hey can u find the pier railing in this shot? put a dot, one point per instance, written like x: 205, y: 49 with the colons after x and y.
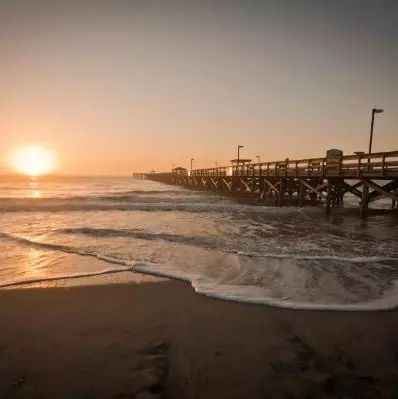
x: 375, y: 165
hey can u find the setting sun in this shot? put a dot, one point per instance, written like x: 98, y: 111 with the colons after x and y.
x: 32, y: 160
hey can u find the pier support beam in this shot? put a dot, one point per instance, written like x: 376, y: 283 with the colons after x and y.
x: 234, y: 184
x: 301, y: 194
x: 262, y: 188
x: 253, y: 186
x: 281, y: 193
x: 328, y: 196
x: 364, y: 201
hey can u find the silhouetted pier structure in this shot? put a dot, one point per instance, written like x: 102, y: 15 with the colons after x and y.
x: 140, y: 175
x: 369, y: 177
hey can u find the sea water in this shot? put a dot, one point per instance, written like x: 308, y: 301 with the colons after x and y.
x: 55, y: 229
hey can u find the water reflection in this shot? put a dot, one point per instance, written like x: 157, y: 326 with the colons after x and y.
x: 34, y: 188
x: 34, y: 261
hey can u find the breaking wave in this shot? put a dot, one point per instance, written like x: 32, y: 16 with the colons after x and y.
x: 208, y: 204
x: 211, y: 243
x: 285, y: 281
x: 201, y: 241
x: 155, y: 192
x: 258, y: 295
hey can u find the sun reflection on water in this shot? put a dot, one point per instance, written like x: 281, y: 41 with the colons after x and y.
x: 34, y: 261
x: 34, y: 189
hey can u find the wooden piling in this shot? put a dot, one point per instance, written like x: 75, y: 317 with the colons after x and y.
x: 262, y: 188
x: 365, y: 201
x: 301, y: 194
x: 281, y: 193
x: 328, y: 197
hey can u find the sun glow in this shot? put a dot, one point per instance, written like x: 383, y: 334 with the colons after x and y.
x: 32, y: 160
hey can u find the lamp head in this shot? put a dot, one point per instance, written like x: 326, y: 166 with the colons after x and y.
x: 377, y: 110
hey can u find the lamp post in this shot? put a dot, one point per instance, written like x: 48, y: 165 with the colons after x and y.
x: 239, y: 147
x: 192, y: 159
x: 374, y: 111
x: 258, y: 158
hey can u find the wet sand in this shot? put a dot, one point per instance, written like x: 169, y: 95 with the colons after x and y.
x: 161, y: 340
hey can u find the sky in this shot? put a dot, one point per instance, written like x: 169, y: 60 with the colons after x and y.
x: 114, y: 87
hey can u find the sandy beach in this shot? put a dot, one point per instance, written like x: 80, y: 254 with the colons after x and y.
x: 161, y: 340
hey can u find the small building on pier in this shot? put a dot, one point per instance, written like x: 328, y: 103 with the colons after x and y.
x: 180, y: 171
x: 238, y: 165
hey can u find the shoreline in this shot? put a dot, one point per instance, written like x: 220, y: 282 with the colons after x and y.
x: 138, y: 277
x: 163, y: 339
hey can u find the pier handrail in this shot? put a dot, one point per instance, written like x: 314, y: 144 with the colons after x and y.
x: 357, y: 165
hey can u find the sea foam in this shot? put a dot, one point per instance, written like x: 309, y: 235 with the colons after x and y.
x: 243, y: 292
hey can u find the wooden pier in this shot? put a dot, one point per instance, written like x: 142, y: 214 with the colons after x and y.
x: 370, y: 177
x: 140, y: 176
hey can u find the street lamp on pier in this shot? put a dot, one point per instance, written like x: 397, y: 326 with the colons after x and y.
x: 374, y: 111
x: 239, y: 147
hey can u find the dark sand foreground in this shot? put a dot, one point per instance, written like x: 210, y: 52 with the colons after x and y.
x: 162, y: 340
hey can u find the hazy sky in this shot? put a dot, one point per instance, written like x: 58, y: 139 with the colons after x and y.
x: 120, y: 86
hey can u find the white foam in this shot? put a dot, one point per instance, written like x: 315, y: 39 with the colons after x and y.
x: 358, y: 259
x: 237, y: 293
x: 215, y: 288
x: 255, y: 294
x: 250, y: 295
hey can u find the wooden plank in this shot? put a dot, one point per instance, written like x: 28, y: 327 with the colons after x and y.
x: 353, y: 189
x: 390, y: 186
x: 379, y: 189
x: 301, y: 193
x: 365, y: 200
x: 227, y: 184
x: 328, y: 198
x: 215, y: 184
x: 314, y: 189
x: 383, y: 166
x: 272, y: 186
x: 246, y: 185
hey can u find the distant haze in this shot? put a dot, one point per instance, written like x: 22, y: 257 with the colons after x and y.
x: 120, y: 86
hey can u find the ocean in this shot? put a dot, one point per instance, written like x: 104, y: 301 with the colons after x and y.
x: 56, y: 230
